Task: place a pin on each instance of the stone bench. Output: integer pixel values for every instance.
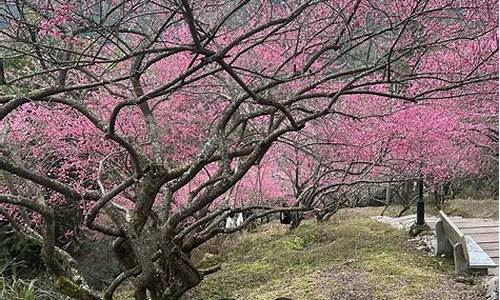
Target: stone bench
(467, 254)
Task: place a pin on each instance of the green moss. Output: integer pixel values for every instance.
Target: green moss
(209, 260)
(330, 260)
(70, 288)
(471, 208)
(296, 243)
(467, 208)
(304, 287)
(125, 294)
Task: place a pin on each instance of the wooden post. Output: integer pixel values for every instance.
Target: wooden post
(420, 202)
(461, 264)
(443, 244)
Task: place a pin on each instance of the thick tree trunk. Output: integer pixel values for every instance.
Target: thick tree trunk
(388, 194)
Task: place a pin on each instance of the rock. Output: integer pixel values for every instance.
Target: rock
(464, 279)
(422, 236)
(209, 260)
(208, 256)
(423, 248)
(490, 285)
(416, 230)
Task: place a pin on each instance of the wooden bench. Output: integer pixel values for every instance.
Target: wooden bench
(467, 254)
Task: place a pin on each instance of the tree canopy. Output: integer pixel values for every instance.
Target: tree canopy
(155, 120)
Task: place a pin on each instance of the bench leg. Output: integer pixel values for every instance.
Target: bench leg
(461, 265)
(443, 245)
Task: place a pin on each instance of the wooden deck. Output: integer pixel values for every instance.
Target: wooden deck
(483, 231)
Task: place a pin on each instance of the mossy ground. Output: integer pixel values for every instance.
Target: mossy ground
(467, 208)
(471, 208)
(349, 257)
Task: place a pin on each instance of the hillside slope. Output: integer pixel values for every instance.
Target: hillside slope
(350, 257)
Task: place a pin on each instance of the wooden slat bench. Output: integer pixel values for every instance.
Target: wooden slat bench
(467, 254)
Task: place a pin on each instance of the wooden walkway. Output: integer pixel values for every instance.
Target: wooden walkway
(483, 231)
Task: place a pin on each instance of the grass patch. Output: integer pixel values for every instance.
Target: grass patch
(350, 257)
(467, 208)
(14, 288)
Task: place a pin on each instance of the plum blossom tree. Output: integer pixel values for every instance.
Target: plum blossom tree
(433, 141)
(154, 117)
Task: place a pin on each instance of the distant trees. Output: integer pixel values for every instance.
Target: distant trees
(148, 117)
(382, 143)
